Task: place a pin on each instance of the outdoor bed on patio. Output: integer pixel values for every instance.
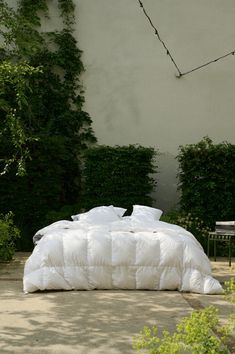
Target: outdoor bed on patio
(101, 249)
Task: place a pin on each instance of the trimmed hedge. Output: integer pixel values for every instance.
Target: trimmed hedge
(118, 175)
(207, 180)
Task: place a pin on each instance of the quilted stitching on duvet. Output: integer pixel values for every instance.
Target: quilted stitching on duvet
(84, 257)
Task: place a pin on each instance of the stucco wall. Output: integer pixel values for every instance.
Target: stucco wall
(131, 90)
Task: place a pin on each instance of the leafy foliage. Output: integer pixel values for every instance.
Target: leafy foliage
(15, 82)
(67, 9)
(119, 175)
(193, 335)
(230, 290)
(43, 113)
(207, 180)
(19, 38)
(228, 330)
(8, 236)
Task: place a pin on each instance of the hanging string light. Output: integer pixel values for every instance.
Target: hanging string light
(168, 52)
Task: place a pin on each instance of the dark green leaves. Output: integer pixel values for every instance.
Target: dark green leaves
(207, 180)
(8, 236)
(43, 128)
(119, 175)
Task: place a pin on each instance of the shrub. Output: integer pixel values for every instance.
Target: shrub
(119, 175)
(63, 213)
(8, 235)
(194, 334)
(207, 180)
(228, 330)
(230, 290)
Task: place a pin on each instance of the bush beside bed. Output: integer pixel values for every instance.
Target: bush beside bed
(207, 180)
(207, 185)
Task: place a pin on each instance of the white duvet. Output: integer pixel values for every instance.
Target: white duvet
(124, 254)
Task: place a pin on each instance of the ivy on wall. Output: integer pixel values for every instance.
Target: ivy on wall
(14, 83)
(52, 120)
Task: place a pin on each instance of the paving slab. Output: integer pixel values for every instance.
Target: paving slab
(89, 322)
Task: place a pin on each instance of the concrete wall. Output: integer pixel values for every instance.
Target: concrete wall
(131, 90)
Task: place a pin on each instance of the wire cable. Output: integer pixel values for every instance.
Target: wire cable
(168, 52)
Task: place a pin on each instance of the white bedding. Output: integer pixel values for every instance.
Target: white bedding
(122, 254)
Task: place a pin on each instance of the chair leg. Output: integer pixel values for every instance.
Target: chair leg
(215, 250)
(229, 252)
(208, 246)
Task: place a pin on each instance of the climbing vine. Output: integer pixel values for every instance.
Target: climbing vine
(14, 81)
(48, 123)
(67, 11)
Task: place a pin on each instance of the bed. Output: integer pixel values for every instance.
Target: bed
(102, 249)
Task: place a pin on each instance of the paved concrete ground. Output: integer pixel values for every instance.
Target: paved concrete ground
(90, 322)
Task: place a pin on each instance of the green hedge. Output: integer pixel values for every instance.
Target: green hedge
(119, 175)
(207, 180)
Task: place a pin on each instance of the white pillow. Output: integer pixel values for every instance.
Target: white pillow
(118, 211)
(75, 217)
(98, 215)
(145, 213)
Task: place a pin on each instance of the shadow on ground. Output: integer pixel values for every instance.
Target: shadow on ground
(84, 322)
(99, 321)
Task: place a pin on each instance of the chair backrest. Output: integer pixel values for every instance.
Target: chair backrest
(225, 227)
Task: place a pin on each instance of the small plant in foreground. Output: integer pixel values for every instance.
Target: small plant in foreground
(230, 290)
(229, 329)
(8, 235)
(193, 334)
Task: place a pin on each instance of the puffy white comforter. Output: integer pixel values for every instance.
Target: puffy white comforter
(118, 255)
